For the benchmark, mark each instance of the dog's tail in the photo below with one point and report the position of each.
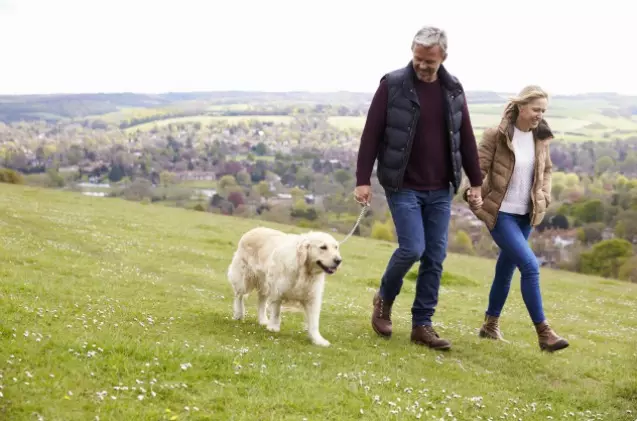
(233, 267)
(239, 274)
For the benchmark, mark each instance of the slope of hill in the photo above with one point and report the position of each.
(117, 310)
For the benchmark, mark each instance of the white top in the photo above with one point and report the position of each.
(518, 196)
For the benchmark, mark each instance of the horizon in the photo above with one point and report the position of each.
(243, 91)
(143, 47)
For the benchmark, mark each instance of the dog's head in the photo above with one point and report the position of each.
(319, 251)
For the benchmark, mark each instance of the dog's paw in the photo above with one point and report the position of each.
(273, 328)
(320, 341)
(264, 322)
(238, 316)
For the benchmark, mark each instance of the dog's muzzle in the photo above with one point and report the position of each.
(330, 269)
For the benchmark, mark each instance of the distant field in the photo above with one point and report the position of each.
(486, 120)
(125, 113)
(204, 119)
(582, 126)
(230, 107)
(347, 122)
(199, 184)
(478, 120)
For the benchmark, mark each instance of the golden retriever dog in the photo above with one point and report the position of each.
(283, 267)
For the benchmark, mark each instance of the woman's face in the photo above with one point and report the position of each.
(533, 112)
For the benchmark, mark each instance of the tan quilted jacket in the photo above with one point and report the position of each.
(496, 164)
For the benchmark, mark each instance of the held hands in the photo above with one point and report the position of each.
(474, 197)
(363, 194)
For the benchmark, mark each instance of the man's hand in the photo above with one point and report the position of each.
(363, 194)
(474, 197)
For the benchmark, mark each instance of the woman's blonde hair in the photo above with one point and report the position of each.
(527, 94)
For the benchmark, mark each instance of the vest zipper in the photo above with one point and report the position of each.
(450, 97)
(405, 160)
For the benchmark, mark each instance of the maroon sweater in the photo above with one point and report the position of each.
(429, 165)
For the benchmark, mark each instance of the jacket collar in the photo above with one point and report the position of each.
(542, 132)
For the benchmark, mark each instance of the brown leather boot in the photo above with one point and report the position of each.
(490, 328)
(381, 316)
(427, 336)
(548, 339)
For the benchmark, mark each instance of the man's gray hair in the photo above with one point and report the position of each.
(429, 36)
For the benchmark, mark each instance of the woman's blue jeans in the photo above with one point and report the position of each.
(511, 233)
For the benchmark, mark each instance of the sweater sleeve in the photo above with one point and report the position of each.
(469, 149)
(373, 133)
(486, 152)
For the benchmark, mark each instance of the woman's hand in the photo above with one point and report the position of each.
(474, 197)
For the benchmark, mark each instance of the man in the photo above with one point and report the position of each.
(418, 127)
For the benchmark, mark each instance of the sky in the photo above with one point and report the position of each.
(71, 46)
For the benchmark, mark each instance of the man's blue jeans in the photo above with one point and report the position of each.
(421, 219)
(511, 233)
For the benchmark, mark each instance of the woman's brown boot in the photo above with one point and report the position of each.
(548, 339)
(491, 329)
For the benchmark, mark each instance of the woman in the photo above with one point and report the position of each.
(516, 190)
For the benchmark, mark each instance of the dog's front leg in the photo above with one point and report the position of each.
(275, 316)
(312, 315)
(263, 308)
(239, 307)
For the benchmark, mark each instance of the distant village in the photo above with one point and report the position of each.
(555, 244)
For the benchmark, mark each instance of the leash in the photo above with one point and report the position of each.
(358, 221)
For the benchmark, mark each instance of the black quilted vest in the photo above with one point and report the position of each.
(403, 111)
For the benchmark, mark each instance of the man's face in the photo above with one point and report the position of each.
(426, 61)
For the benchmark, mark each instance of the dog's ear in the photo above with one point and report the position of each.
(301, 251)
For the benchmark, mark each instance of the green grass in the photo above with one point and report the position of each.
(121, 311)
(205, 119)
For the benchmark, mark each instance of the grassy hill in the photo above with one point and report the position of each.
(121, 311)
